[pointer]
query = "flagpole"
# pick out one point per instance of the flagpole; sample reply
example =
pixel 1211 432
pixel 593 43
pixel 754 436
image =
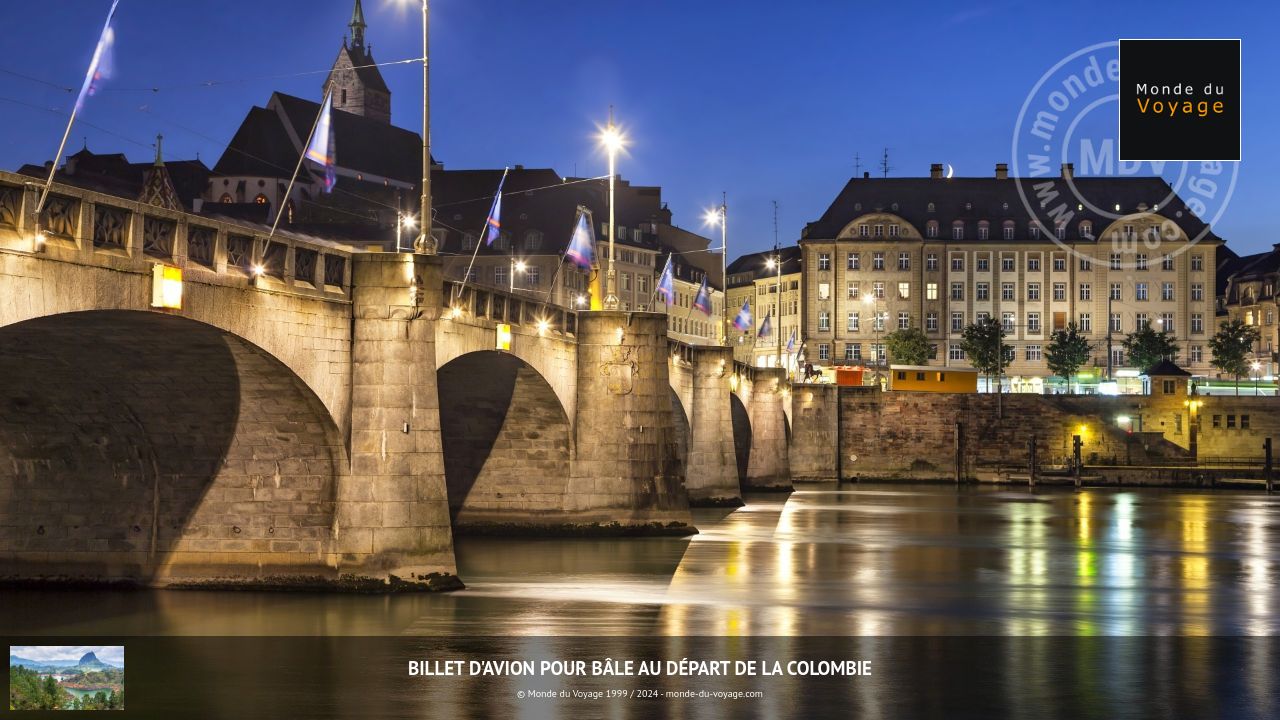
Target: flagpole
pixel 301 156
pixel 467 275
pixel 75 110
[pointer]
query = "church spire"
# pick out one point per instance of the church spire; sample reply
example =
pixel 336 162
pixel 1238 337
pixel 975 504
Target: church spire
pixel 357 26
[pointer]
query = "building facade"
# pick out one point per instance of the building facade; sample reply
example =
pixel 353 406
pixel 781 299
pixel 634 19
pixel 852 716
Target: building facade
pixel 940 253
pixel 1249 295
pixel 754 280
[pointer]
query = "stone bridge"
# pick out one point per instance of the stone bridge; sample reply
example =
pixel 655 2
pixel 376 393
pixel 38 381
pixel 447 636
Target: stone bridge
pixel 316 414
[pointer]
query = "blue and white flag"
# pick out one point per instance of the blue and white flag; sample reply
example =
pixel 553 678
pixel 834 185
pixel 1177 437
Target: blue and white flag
pixel 743 321
pixel 766 327
pixel 791 341
pixel 493 225
pixel 702 301
pixel 320 149
pixel 582 247
pixel 100 65
pixel 666 284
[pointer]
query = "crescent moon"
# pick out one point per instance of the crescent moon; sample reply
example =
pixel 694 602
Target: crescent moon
pixel 950 171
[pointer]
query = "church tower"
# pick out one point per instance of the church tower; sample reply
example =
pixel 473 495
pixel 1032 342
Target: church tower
pixel 357 84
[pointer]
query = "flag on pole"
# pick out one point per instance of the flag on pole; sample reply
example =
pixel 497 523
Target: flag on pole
pixel 100 65
pixel 791 341
pixel 666 284
pixel 766 327
pixel 493 225
pixel 743 321
pixel 320 149
pixel 582 247
pixel 702 300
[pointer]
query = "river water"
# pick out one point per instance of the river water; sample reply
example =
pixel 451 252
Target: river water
pixel 975 573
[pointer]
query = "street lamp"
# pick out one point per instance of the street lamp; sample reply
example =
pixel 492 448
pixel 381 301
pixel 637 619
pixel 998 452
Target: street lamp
pixel 613 141
pixel 870 299
pixel 517 266
pixel 775 263
pixel 1257 367
pixel 422 244
pixel 720 216
pixel 407 222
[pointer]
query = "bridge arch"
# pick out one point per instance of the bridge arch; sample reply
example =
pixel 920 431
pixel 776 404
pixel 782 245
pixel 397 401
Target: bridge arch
pixel 309 334
pixel 149 447
pixel 507 440
pixel 741 435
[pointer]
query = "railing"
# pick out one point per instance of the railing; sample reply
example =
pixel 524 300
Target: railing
pixel 487 303
pixel 89 227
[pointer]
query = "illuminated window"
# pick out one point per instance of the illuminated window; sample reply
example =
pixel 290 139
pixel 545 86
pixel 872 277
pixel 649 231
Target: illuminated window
pixel 261 199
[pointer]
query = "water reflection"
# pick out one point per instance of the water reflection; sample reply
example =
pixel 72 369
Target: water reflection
pixel 851 560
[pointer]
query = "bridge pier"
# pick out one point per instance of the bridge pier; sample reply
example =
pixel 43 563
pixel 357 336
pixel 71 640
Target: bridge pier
pixel 625 474
pixel 391 522
pixel 711 473
pixel 768 467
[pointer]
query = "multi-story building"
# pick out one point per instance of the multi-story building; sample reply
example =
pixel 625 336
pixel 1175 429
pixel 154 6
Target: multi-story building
pixel 754 279
pixel 940 253
pixel 684 321
pixel 1249 294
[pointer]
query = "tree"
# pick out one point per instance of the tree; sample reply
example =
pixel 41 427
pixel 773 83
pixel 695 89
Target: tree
pixel 983 344
pixel 1066 352
pixel 1147 347
pixel 907 347
pixel 1231 346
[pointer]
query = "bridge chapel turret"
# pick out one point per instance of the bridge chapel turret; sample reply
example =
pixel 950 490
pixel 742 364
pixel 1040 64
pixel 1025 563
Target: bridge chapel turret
pixel 358 87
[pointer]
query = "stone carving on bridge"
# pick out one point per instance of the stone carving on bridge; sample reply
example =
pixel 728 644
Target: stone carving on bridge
pixel 240 252
pixel 110 227
pixel 200 242
pixel 157 237
pixel 620 370
pixel 59 216
pixel 10 202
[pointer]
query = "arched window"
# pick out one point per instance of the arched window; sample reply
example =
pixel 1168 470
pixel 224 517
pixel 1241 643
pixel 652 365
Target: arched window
pixel 931 207
pixel 226 198
pixel 984 230
pixel 261 199
pixel 931 227
pixel 1007 229
pixel 957 230
pixel 1086 229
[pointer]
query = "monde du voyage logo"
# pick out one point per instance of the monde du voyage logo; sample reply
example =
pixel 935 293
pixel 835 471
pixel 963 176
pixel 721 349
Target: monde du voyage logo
pixel 1180 100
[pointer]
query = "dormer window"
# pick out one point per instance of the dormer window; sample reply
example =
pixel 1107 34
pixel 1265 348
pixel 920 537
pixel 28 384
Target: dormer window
pixel 1007 229
pixel 1086 229
pixel 931 227
pixel 984 230
pixel 957 230
pixel 931 207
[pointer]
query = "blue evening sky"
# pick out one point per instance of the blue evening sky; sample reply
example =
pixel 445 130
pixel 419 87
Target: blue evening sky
pixel 763 100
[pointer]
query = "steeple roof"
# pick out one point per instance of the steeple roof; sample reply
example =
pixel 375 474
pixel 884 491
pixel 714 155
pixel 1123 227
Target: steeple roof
pixel 357 26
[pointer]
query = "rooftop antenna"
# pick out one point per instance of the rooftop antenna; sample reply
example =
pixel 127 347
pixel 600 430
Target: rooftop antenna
pixel 884 163
pixel 775 226
pixel 857 164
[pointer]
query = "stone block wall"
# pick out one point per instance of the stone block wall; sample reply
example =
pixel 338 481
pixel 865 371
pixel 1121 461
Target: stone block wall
pixel 767 468
pixel 625 470
pixel 813 449
pixel 711 472
pixel 392 523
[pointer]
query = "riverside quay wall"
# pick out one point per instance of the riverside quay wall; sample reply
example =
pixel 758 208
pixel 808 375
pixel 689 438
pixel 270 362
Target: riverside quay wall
pixel 865 434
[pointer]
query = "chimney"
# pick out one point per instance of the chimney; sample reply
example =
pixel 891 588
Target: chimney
pixel 935 171
pixel 1002 171
pixel 1068 170
pixel 866 174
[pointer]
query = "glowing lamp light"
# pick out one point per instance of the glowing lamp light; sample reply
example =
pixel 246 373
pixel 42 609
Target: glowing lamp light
pixel 258 270
pixel 1082 430
pixel 580 301
pixel 409 222
pixel 40 238
pixel 543 326
pixel 612 139
pixel 1123 419
pixel 520 266
pixel 771 263
pixel 712 218
pixel 166 287
pixel 504 337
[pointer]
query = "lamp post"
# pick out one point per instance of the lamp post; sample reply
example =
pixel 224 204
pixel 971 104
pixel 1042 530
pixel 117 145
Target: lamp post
pixel 870 299
pixel 775 263
pixel 611 138
pixel 720 216
pixel 516 266
pixel 1257 368
pixel 406 222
